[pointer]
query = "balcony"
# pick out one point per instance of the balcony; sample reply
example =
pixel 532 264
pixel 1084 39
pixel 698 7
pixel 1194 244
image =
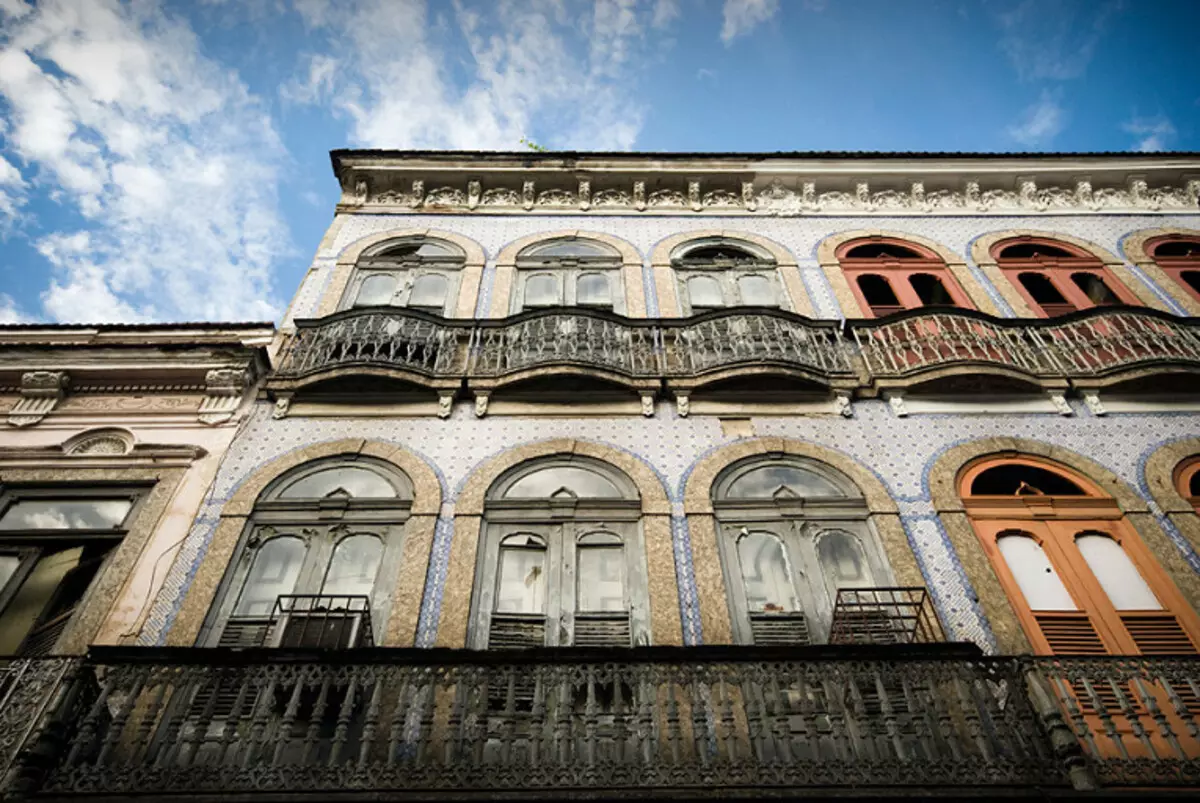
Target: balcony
pixel 902 720
pixel 1082 345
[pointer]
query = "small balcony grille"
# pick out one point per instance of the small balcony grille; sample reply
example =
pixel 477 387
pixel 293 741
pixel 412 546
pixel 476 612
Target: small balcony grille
pixel 884 616
pixel 322 621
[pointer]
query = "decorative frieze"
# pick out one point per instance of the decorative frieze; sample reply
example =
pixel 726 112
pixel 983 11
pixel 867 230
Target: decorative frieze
pixel 41 391
pixel 789 197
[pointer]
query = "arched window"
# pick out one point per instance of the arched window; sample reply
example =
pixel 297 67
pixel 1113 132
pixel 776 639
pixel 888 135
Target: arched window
pixel 890 275
pixel 1058 277
pixel 1179 258
pixel 416 273
pixel 792 533
pixel 716 273
pixel 562 560
pixel 1187 481
pixel 569 272
pixel 323 543
pixel 1076 571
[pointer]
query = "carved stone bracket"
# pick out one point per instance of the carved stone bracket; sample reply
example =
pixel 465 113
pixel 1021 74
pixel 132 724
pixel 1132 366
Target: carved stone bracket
pixel 1060 403
pixel 895 400
pixel 282 405
pixel 224 389
pixel 1092 399
pixel 683 404
pixel 842 404
pixel 481 404
pixel 648 404
pixel 41 391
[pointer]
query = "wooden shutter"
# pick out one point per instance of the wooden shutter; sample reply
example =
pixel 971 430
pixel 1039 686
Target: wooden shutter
pixel 1158 633
pixel 516 631
pixel 779 628
pixel 1070 633
pixel 602 630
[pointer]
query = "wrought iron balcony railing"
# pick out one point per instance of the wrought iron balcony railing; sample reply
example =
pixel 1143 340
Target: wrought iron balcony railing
pixel 715 721
pixel 1083 344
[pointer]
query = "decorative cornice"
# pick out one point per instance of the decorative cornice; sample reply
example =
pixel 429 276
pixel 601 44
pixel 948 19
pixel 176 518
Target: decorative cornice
pixel 779 196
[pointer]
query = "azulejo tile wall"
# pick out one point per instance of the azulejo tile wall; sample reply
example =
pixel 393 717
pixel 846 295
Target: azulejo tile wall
pixel 899 451
pixel 799 235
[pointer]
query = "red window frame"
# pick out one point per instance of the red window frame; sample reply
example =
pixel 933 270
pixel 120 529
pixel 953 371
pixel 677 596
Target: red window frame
pixel 898 273
pixel 1059 272
pixel 1175 267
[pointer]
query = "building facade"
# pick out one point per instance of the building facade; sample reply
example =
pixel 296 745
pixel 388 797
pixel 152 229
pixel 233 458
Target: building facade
pixel 788 474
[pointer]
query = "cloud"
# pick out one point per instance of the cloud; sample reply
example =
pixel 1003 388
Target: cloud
pixel 1152 133
pixel 705 72
pixel 12 193
pixel 481 76
pixel 169 161
pixel 1039 123
pixel 743 16
pixel 1054 39
pixel 8 310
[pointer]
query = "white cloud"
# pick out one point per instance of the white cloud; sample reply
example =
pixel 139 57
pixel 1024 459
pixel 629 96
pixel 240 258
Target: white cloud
pixel 743 16
pixel 1039 123
pixel 170 161
pixel 8 310
pixel 1152 133
pixel 484 76
pixel 1054 39
pixel 665 11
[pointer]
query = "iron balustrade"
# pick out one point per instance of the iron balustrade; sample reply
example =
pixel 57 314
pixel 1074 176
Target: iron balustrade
pixel 1137 717
pixel 1082 344
pixel 709 720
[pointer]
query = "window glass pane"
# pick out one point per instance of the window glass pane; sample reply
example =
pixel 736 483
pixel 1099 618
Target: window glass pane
pixel 592 288
pixel 417 250
pixel 1018 479
pixel 8 567
pixel 756 291
pixel 522 585
pixel 376 290
pixel 1039 583
pixel 842 560
pixel 45 592
pixel 359 483
pixel 65 514
pixel 766 574
pixel 1042 290
pixel 877 291
pixel 1119 578
pixel 1192 279
pixel 562 481
pixel 353 567
pixel 718 254
pixel 705 291
pixel 930 290
pixel 601 584
pixel 274 572
pixel 881 251
pixel 1098 292
pixel 766 482
pixel 541 290
pixel 571 248
pixel 429 291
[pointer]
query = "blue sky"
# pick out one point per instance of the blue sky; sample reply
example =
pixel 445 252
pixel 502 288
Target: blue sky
pixel 169 161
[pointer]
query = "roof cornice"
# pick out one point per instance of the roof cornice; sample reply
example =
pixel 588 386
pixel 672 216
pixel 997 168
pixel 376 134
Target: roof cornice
pixel 778 184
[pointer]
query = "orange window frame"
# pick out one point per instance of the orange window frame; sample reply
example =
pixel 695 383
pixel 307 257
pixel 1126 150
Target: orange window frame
pixel 1175 267
pixel 1058 271
pixel 898 273
pixel 1184 475
pixel 1054 522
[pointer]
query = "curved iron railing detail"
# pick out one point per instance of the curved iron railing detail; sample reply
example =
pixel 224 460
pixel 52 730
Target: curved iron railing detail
pixel 1084 344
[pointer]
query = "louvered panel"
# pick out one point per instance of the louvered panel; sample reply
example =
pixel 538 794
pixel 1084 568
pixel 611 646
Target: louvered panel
pixel 226 689
pixel 322 630
pixel 1070 633
pixel 602 630
pixel 779 628
pixel 516 632
pixel 1158 634
pixel 245 633
pixel 40 641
